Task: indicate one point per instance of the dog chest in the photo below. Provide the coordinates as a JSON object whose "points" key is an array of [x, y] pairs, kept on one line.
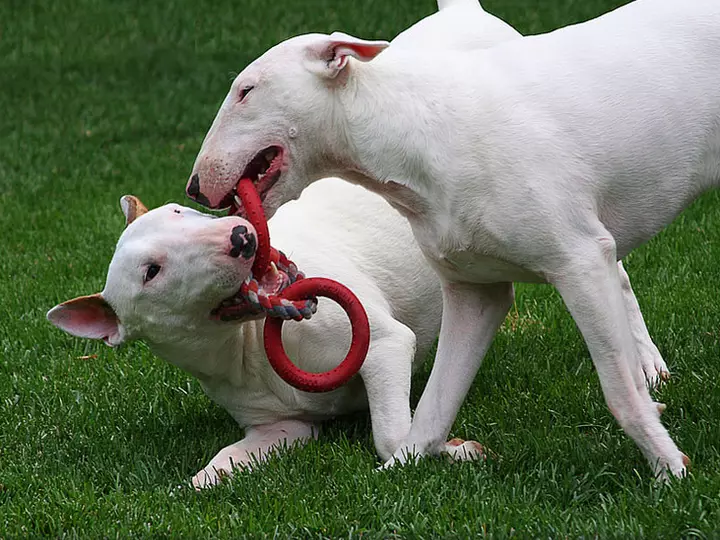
{"points": [[469, 266]]}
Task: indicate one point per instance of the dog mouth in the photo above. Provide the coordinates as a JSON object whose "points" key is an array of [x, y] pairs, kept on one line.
{"points": [[238, 307], [264, 170]]}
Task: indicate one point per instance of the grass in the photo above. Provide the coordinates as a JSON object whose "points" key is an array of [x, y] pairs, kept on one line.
{"points": [[99, 98]]}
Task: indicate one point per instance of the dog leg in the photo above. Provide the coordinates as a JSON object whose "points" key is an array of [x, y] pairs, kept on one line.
{"points": [[386, 374], [592, 290], [652, 368], [258, 444], [471, 316]]}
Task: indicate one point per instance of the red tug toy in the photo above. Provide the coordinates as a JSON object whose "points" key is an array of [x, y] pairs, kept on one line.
{"points": [[297, 301]]}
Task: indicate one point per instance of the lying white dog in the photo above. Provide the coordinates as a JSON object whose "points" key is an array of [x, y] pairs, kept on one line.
{"points": [[542, 159], [174, 267]]}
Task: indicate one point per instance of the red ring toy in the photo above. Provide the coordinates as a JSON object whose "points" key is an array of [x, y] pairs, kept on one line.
{"points": [[301, 290], [329, 380], [256, 215]]}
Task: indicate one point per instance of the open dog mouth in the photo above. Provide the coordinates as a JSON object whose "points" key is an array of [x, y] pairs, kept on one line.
{"points": [[264, 171], [237, 306]]}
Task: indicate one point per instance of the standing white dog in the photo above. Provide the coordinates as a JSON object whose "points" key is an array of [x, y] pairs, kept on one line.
{"points": [[543, 159]]}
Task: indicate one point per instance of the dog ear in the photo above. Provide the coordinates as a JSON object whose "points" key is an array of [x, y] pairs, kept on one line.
{"points": [[329, 56], [132, 208], [87, 317]]}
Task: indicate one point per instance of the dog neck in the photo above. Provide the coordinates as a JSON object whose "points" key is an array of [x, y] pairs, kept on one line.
{"points": [[222, 355], [388, 144]]}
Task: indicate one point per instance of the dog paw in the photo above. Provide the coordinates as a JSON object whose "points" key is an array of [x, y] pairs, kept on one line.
{"points": [[402, 456], [460, 450], [216, 472], [654, 368], [666, 469], [209, 477], [454, 450]]}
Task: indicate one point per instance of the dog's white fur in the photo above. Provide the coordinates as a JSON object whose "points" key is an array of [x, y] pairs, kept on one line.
{"points": [[335, 230], [543, 159]]}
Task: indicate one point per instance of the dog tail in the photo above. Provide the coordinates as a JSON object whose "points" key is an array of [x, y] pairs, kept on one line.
{"points": [[443, 4]]}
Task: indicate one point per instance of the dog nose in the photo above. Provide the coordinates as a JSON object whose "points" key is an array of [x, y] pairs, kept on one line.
{"points": [[243, 242], [193, 191]]}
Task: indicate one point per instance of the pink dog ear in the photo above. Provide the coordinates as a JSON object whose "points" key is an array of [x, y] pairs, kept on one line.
{"points": [[132, 208], [334, 51], [87, 317]]}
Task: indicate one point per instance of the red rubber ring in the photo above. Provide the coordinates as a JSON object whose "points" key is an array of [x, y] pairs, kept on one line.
{"points": [[256, 215], [329, 380]]}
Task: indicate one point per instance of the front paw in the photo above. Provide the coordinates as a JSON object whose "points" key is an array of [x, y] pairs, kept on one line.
{"points": [[209, 477], [455, 450], [216, 471], [405, 454]]}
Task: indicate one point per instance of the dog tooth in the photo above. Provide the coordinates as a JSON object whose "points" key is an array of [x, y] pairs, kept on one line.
{"points": [[273, 270], [237, 200]]}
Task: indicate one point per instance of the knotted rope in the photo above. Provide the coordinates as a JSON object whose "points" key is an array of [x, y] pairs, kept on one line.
{"points": [[274, 305]]}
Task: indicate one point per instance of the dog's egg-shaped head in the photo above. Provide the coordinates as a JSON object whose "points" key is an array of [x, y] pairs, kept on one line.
{"points": [[172, 268]]}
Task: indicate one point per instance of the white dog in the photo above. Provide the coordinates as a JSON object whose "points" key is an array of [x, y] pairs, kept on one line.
{"points": [[174, 268], [543, 159]]}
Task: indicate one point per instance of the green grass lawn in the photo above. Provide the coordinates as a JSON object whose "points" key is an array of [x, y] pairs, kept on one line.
{"points": [[99, 98]]}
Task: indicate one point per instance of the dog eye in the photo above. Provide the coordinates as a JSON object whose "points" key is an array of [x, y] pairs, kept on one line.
{"points": [[245, 91], [151, 272]]}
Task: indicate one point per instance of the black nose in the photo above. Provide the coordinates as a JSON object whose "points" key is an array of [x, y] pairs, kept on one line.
{"points": [[243, 242], [193, 191]]}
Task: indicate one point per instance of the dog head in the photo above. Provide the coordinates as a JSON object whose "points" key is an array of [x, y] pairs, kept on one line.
{"points": [[276, 121], [173, 278]]}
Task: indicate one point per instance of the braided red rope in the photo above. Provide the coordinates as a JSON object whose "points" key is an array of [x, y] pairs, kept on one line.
{"points": [[275, 305], [301, 296]]}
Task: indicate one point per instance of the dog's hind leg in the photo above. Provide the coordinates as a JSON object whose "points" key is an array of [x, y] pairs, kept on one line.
{"points": [[471, 316], [591, 287], [651, 368], [258, 444]]}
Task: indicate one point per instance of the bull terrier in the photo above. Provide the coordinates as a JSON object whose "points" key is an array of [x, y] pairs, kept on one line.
{"points": [[173, 282], [541, 159]]}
